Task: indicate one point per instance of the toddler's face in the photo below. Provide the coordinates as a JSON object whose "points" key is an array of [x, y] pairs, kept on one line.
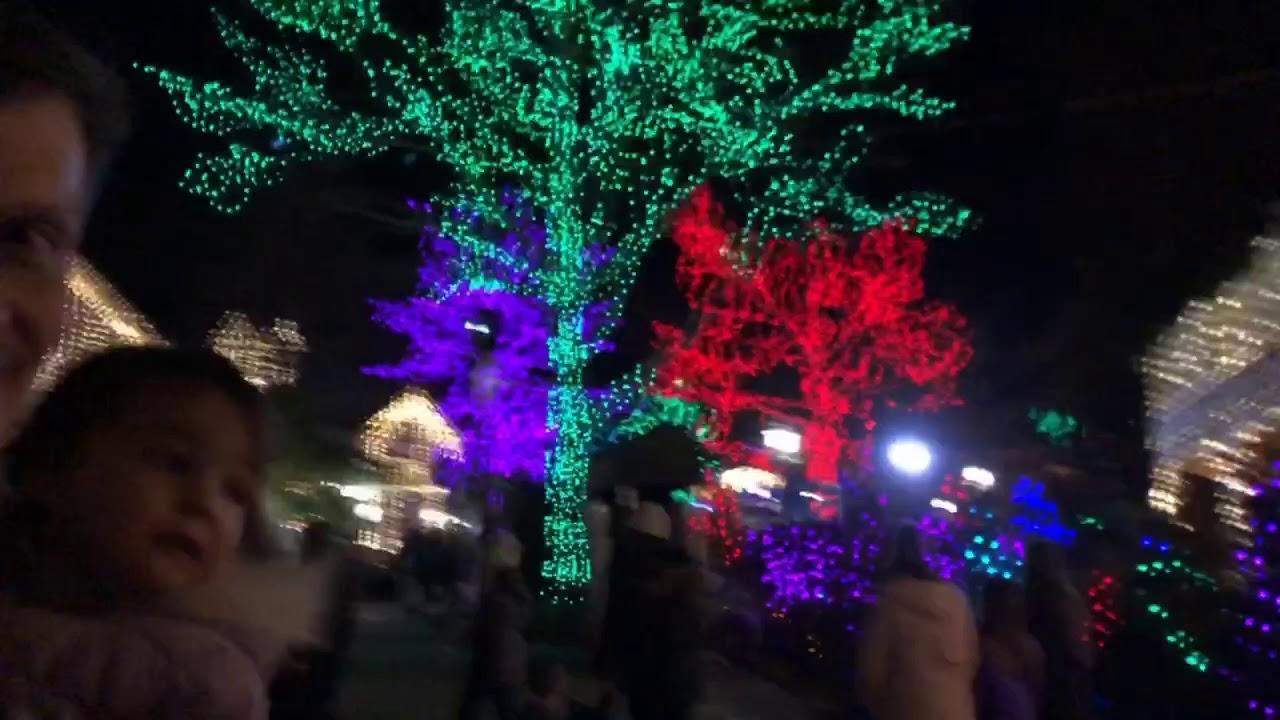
{"points": [[160, 493]]}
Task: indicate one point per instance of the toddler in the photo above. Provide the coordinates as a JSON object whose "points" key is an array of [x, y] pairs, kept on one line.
{"points": [[136, 489]]}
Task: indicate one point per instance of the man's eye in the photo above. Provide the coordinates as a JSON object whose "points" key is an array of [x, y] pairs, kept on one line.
{"points": [[29, 243]]}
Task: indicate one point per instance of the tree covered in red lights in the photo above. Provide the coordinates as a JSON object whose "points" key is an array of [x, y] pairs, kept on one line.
{"points": [[722, 526], [848, 316]]}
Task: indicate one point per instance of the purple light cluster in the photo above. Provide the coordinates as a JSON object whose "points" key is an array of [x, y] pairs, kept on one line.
{"points": [[815, 564], [942, 556], [1259, 627], [499, 404], [495, 379]]}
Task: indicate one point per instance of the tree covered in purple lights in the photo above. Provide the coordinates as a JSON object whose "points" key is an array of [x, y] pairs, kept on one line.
{"points": [[479, 334]]}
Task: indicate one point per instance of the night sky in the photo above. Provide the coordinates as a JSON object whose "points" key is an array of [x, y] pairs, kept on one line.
{"points": [[1120, 155]]}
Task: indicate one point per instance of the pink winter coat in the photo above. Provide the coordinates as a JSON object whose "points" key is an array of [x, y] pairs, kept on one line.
{"points": [[210, 660], [920, 653]]}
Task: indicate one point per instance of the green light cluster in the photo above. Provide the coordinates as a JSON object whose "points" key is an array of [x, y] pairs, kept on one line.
{"points": [[1060, 428], [639, 411], [1182, 640], [1177, 568], [606, 114]]}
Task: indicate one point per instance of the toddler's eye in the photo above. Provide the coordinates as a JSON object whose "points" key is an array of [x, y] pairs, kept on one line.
{"points": [[176, 463]]}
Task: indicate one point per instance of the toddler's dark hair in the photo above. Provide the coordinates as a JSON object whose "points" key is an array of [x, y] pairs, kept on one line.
{"points": [[94, 392], [37, 58]]}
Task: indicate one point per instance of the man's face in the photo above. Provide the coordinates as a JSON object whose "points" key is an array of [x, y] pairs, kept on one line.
{"points": [[44, 197]]}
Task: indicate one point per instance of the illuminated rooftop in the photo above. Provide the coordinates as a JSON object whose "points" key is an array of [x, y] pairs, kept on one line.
{"points": [[405, 437], [267, 357], [1212, 384], [97, 317]]}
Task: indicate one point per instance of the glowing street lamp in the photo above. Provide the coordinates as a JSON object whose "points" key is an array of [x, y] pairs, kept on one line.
{"points": [[980, 477], [910, 457], [783, 440], [945, 505]]}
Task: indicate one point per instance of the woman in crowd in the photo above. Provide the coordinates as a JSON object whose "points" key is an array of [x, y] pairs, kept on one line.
{"points": [[1011, 679], [1059, 620], [919, 655], [136, 492]]}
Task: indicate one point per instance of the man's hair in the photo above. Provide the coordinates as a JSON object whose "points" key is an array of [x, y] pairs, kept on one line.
{"points": [[36, 58]]}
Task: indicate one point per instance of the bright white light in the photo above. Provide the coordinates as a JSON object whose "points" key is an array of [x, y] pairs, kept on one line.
{"points": [[813, 496], [941, 504], [752, 481], [981, 477], [782, 440], [910, 456], [478, 327], [365, 511], [361, 493], [438, 518]]}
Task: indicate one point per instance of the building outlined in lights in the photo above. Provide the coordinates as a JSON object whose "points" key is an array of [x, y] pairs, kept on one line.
{"points": [[267, 357], [1212, 386], [96, 317], [404, 440]]}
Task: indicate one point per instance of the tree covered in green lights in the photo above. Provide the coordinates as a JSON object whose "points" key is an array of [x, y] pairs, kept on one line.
{"points": [[606, 113], [1060, 428]]}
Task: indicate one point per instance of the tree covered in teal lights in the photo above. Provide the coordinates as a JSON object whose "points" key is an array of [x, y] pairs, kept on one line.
{"points": [[606, 113]]}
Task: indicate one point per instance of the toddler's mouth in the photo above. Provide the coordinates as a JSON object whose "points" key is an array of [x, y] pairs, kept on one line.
{"points": [[181, 544]]}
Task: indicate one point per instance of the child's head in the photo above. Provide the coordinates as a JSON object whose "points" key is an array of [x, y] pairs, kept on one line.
{"points": [[547, 677], [146, 468]]}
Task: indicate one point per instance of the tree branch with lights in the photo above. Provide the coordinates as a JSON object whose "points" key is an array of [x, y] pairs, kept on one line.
{"points": [[606, 114], [849, 317]]}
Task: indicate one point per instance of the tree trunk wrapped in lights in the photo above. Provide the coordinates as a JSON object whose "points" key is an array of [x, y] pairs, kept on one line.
{"points": [[607, 114], [848, 317]]}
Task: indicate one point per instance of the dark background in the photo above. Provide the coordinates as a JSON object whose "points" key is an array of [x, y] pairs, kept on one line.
{"points": [[1120, 155]]}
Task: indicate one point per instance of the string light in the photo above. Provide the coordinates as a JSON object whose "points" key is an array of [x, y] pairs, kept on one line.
{"points": [[607, 116], [1060, 428], [722, 524], [1256, 627], [1103, 597], [817, 564], [849, 318], [96, 317], [1209, 390], [406, 437], [267, 357]]}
